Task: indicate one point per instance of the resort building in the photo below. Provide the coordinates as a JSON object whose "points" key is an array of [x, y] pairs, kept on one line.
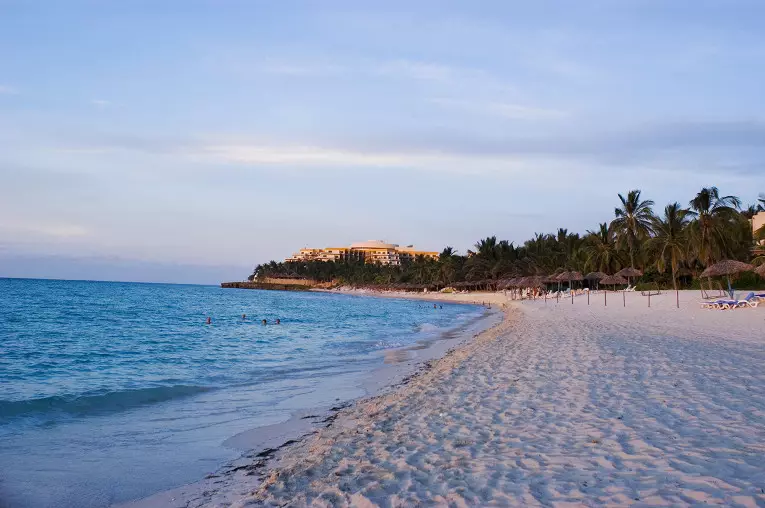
{"points": [[758, 222], [372, 251]]}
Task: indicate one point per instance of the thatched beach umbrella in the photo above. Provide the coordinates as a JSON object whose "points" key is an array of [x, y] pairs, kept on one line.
{"points": [[727, 267], [535, 281], [595, 277], [575, 276], [613, 280], [760, 270], [629, 272]]}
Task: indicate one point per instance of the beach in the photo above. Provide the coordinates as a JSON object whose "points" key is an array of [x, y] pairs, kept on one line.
{"points": [[561, 404]]}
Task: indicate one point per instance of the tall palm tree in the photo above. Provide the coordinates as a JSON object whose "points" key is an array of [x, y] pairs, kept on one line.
{"points": [[487, 247], [670, 239], [447, 253], [633, 221], [601, 250], [712, 217]]}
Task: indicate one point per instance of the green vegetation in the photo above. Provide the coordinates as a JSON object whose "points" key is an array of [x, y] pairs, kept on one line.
{"points": [[671, 249]]}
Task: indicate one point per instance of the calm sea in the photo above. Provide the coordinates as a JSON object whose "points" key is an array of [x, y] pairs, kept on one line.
{"points": [[112, 391]]}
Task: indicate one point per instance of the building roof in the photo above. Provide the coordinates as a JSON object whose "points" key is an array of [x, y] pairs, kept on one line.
{"points": [[373, 244]]}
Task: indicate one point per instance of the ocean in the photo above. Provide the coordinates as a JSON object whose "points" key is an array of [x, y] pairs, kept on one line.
{"points": [[113, 391]]}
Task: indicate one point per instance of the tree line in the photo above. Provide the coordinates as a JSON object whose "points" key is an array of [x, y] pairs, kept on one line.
{"points": [[673, 242]]}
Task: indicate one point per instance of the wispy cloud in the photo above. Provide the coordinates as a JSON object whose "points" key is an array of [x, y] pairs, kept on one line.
{"points": [[101, 103], [700, 146], [415, 70], [8, 90], [310, 155], [502, 109], [54, 230], [301, 69]]}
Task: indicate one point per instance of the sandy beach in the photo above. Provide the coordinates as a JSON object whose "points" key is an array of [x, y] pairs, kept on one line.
{"points": [[561, 404]]}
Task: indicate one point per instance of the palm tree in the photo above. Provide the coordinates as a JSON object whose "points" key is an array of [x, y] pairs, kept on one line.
{"points": [[447, 253], [601, 250], [712, 218], [487, 248], [670, 239], [633, 221]]}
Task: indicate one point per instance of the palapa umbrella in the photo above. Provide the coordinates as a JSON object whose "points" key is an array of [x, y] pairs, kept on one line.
{"points": [[536, 281], [613, 280], [727, 267], [595, 277], [629, 272], [760, 270], [560, 278]]}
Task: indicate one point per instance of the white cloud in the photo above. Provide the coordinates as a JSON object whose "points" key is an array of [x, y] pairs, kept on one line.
{"points": [[505, 110], [310, 155], [415, 70], [8, 90], [101, 103], [55, 230], [301, 156], [301, 69]]}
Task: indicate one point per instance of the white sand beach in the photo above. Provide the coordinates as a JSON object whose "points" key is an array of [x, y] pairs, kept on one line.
{"points": [[559, 405]]}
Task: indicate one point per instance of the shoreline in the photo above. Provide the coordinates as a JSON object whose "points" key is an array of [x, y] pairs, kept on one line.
{"points": [[561, 402], [263, 447]]}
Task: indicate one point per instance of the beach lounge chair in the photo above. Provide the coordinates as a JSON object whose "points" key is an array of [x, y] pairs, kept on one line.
{"points": [[751, 300], [726, 304], [715, 304]]}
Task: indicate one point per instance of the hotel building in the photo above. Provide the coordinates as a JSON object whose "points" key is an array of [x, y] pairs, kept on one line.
{"points": [[373, 251], [758, 222]]}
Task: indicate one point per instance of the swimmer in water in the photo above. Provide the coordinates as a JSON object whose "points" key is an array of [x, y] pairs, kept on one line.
{"points": [[278, 321], [244, 316], [209, 321], [265, 322]]}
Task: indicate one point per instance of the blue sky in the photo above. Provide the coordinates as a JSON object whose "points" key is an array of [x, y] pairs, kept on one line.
{"points": [[188, 141]]}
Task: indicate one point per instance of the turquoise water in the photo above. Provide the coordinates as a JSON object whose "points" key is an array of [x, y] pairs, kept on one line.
{"points": [[112, 391]]}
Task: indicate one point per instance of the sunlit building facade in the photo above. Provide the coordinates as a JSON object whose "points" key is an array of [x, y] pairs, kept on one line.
{"points": [[372, 251]]}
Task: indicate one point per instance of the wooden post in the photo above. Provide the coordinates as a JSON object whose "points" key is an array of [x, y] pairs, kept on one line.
{"points": [[572, 298], [605, 298], [558, 297], [588, 297], [649, 298], [677, 295], [624, 297]]}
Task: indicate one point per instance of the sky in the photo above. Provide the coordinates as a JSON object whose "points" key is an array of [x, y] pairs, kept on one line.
{"points": [[187, 141]]}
